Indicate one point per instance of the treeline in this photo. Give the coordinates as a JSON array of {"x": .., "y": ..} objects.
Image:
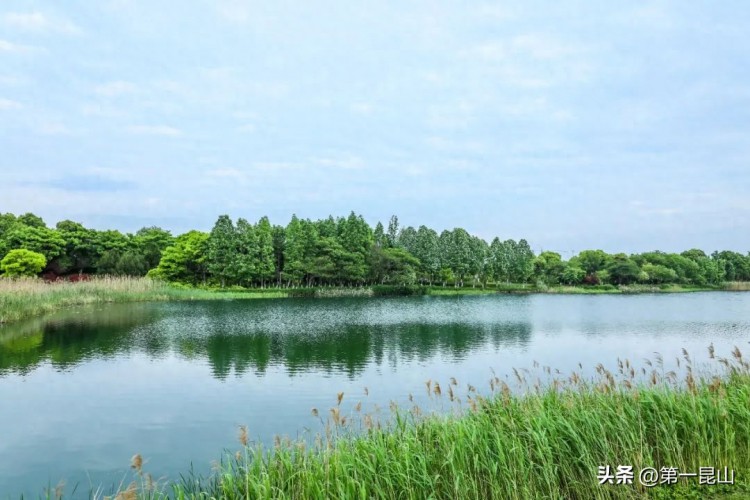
[
  {"x": 343, "y": 251},
  {"x": 28, "y": 246}
]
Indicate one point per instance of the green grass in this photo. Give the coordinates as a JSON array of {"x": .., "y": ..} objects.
[
  {"x": 547, "y": 443},
  {"x": 460, "y": 291},
  {"x": 23, "y": 298}
]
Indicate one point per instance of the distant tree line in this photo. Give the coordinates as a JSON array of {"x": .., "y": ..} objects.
[
  {"x": 70, "y": 248},
  {"x": 343, "y": 251}
]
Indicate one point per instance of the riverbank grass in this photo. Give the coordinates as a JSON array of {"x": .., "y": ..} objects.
[
  {"x": 24, "y": 298},
  {"x": 565, "y": 441}
]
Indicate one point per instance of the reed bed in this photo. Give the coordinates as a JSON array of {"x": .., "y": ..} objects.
[
  {"x": 737, "y": 286},
  {"x": 525, "y": 440},
  {"x": 23, "y": 298}
]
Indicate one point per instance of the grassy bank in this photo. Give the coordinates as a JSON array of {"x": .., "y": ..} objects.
[
  {"x": 526, "y": 288},
  {"x": 547, "y": 443},
  {"x": 23, "y": 298}
]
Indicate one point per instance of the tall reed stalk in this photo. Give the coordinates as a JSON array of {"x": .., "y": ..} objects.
[{"x": 534, "y": 441}]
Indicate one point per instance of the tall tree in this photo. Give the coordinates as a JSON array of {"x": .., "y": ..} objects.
[
  {"x": 379, "y": 236},
  {"x": 392, "y": 234},
  {"x": 549, "y": 267},
  {"x": 222, "y": 250},
  {"x": 426, "y": 248},
  {"x": 266, "y": 268},
  {"x": 245, "y": 266},
  {"x": 151, "y": 242},
  {"x": 279, "y": 241},
  {"x": 81, "y": 250},
  {"x": 294, "y": 252}
]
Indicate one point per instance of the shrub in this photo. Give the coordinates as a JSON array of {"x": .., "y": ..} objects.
[{"x": 22, "y": 262}]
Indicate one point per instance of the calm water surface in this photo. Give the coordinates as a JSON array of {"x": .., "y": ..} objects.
[{"x": 82, "y": 391}]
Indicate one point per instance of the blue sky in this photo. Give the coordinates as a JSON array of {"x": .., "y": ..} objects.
[{"x": 616, "y": 125}]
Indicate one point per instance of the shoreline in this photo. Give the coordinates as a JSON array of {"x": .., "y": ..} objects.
[
  {"x": 24, "y": 299},
  {"x": 549, "y": 442}
]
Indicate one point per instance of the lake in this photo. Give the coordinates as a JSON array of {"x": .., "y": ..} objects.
[{"x": 82, "y": 391}]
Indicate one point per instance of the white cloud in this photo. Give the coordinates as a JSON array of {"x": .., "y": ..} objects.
[
  {"x": 237, "y": 11},
  {"x": 362, "y": 108},
  {"x": 163, "y": 130},
  {"x": 103, "y": 110},
  {"x": 532, "y": 60},
  {"x": 40, "y": 23},
  {"x": 248, "y": 127},
  {"x": 541, "y": 47},
  {"x": 53, "y": 128},
  {"x": 8, "y": 104},
  {"x": 227, "y": 173},
  {"x": 12, "y": 80},
  {"x": 525, "y": 46},
  {"x": 14, "y": 48},
  {"x": 346, "y": 163},
  {"x": 276, "y": 165},
  {"x": 494, "y": 12},
  {"x": 115, "y": 88}
]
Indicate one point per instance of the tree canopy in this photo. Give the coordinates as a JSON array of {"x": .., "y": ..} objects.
[{"x": 338, "y": 251}]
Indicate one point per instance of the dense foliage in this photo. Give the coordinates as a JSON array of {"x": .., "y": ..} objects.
[
  {"x": 22, "y": 262},
  {"x": 346, "y": 251}
]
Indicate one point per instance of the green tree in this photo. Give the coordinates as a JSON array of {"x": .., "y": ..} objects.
[
  {"x": 279, "y": 239},
  {"x": 31, "y": 220},
  {"x": 39, "y": 239},
  {"x": 327, "y": 228},
  {"x": 294, "y": 252},
  {"x": 356, "y": 238},
  {"x": 310, "y": 245},
  {"x": 736, "y": 266},
  {"x": 549, "y": 268},
  {"x": 6, "y": 222},
  {"x": 477, "y": 263},
  {"x": 109, "y": 247},
  {"x": 81, "y": 251},
  {"x": 622, "y": 270},
  {"x": 657, "y": 273},
  {"x": 379, "y": 236},
  {"x": 222, "y": 250},
  {"x": 391, "y": 236},
  {"x": 151, "y": 242},
  {"x": 21, "y": 262},
  {"x": 393, "y": 265},
  {"x": 499, "y": 261},
  {"x": 572, "y": 274},
  {"x": 426, "y": 248},
  {"x": 131, "y": 263},
  {"x": 185, "y": 261},
  {"x": 244, "y": 265},
  {"x": 265, "y": 267},
  {"x": 522, "y": 261},
  {"x": 593, "y": 261},
  {"x": 107, "y": 262}
]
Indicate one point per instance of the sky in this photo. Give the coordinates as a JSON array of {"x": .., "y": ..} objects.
[{"x": 623, "y": 126}]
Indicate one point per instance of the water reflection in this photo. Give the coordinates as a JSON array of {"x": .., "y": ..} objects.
[
  {"x": 235, "y": 338},
  {"x": 67, "y": 338},
  {"x": 140, "y": 377}
]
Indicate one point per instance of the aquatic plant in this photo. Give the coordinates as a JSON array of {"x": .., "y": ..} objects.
[{"x": 528, "y": 438}]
